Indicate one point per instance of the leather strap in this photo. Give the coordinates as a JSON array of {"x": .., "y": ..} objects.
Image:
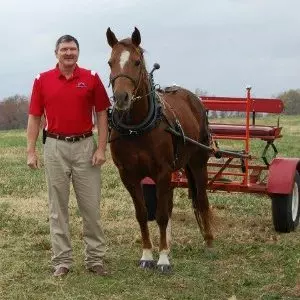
[{"x": 70, "y": 138}]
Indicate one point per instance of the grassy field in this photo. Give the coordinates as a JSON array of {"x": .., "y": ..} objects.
[{"x": 250, "y": 260}]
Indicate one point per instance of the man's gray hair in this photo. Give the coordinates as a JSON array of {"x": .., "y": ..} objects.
[{"x": 66, "y": 38}]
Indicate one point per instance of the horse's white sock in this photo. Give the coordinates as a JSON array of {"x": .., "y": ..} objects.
[
  {"x": 163, "y": 258},
  {"x": 147, "y": 255}
]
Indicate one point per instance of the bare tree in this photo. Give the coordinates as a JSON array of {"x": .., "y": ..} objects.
[
  {"x": 291, "y": 99},
  {"x": 13, "y": 112}
]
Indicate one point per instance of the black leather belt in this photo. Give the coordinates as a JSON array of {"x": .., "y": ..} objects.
[{"x": 70, "y": 138}]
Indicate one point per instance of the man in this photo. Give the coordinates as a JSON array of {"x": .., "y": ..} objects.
[{"x": 67, "y": 96}]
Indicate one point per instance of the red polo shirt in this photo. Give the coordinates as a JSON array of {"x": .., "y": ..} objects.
[{"x": 68, "y": 104}]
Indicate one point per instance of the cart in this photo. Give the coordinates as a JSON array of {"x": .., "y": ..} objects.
[{"x": 239, "y": 170}]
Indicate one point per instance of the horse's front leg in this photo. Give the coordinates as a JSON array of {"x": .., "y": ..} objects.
[
  {"x": 163, "y": 218},
  {"x": 134, "y": 188}
]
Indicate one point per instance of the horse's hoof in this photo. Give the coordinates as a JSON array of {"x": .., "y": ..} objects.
[
  {"x": 147, "y": 264},
  {"x": 164, "y": 269}
]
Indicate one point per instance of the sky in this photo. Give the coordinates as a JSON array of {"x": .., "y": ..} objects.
[{"x": 217, "y": 46}]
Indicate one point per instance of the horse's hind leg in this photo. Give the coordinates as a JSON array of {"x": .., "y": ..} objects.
[
  {"x": 163, "y": 218},
  {"x": 135, "y": 190},
  {"x": 197, "y": 176}
]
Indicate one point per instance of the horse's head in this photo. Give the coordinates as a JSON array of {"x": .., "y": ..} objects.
[{"x": 127, "y": 68}]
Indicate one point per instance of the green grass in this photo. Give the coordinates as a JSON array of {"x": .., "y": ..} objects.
[{"x": 250, "y": 260}]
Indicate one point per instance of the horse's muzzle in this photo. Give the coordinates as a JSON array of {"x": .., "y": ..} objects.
[{"x": 122, "y": 100}]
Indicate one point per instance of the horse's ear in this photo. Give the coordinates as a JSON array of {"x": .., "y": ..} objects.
[
  {"x": 111, "y": 38},
  {"x": 136, "y": 37}
]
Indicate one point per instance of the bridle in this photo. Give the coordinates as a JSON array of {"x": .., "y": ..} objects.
[
  {"x": 154, "y": 107},
  {"x": 136, "y": 83}
]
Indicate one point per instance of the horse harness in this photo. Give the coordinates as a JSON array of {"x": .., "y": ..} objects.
[{"x": 156, "y": 115}]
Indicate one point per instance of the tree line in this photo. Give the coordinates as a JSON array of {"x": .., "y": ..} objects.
[
  {"x": 14, "y": 109},
  {"x": 14, "y": 112}
]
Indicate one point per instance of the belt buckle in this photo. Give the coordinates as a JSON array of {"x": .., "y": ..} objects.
[{"x": 70, "y": 139}]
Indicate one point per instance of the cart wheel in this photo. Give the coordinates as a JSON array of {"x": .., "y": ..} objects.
[
  {"x": 286, "y": 209},
  {"x": 149, "y": 192}
]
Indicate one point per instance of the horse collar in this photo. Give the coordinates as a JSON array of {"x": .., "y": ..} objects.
[{"x": 150, "y": 122}]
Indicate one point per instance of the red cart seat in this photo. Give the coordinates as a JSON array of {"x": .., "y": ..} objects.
[{"x": 256, "y": 131}]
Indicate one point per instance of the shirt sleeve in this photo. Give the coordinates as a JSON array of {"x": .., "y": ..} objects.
[
  {"x": 36, "y": 106},
  {"x": 101, "y": 100}
]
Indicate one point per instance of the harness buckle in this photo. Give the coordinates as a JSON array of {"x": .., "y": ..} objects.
[{"x": 132, "y": 132}]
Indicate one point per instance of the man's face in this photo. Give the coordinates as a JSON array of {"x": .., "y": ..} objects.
[{"x": 67, "y": 54}]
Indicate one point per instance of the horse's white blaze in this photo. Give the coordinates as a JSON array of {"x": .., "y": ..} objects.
[
  {"x": 124, "y": 58},
  {"x": 169, "y": 232},
  {"x": 147, "y": 254},
  {"x": 163, "y": 258}
]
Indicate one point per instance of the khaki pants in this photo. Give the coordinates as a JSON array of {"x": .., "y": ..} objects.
[{"x": 66, "y": 162}]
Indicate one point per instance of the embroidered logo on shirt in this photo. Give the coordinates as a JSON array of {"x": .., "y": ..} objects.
[{"x": 81, "y": 85}]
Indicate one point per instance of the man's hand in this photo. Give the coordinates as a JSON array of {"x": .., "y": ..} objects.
[
  {"x": 32, "y": 160},
  {"x": 33, "y": 128},
  {"x": 99, "y": 157}
]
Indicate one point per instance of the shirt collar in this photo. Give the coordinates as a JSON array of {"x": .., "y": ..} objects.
[{"x": 76, "y": 72}]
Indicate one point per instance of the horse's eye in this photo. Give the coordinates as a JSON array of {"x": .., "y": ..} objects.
[
  {"x": 137, "y": 63},
  {"x": 109, "y": 63}
]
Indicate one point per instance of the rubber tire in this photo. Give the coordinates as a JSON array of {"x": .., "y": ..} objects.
[
  {"x": 149, "y": 193},
  {"x": 282, "y": 209}
]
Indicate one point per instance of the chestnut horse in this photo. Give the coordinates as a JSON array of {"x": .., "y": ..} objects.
[{"x": 141, "y": 145}]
